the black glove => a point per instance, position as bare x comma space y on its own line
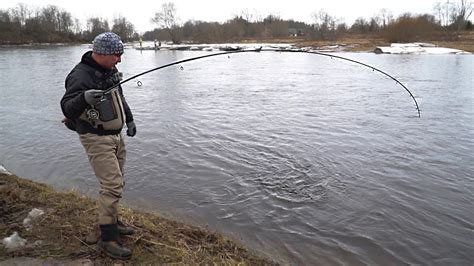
93, 97
131, 129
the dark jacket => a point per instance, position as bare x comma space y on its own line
86, 75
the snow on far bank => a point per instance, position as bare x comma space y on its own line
207, 47
416, 48
394, 48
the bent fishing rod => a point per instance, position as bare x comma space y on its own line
270, 50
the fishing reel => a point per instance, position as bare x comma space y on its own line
92, 114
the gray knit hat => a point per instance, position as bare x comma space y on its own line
107, 43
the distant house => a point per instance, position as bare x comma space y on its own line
294, 32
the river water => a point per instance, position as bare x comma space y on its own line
307, 159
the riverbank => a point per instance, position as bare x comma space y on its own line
58, 235
361, 43
352, 43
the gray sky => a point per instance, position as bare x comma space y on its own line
140, 12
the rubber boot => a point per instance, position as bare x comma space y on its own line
124, 229
110, 245
93, 236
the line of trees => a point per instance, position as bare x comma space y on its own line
405, 28
52, 24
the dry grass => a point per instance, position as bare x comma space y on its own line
464, 41
69, 217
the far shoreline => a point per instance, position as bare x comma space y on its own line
465, 42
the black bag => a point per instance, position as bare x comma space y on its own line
69, 124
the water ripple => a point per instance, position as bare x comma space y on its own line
307, 159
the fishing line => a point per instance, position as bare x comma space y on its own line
269, 50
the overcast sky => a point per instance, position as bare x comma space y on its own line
140, 12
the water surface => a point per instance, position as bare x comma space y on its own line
308, 159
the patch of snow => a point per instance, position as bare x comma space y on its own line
14, 241
416, 48
4, 171
32, 215
413, 44
216, 47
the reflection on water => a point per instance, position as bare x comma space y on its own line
305, 158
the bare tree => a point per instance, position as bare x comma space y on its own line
49, 18
77, 28
65, 21
461, 14
324, 24
123, 28
386, 16
96, 26
22, 13
360, 25
274, 26
234, 29
375, 23
166, 19
250, 16
438, 8
454, 13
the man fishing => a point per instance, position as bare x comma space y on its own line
98, 113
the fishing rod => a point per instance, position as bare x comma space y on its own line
271, 50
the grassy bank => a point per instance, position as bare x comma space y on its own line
69, 217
